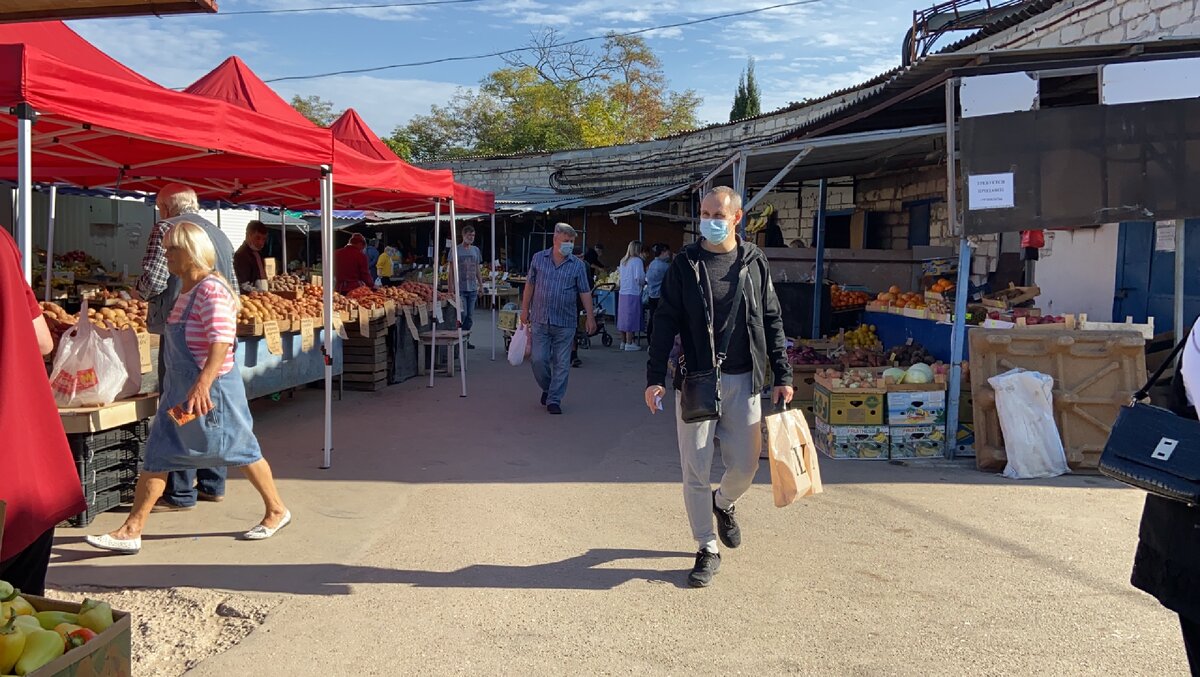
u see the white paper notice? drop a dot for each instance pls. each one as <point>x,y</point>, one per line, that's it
<point>1164,236</point>
<point>990,191</point>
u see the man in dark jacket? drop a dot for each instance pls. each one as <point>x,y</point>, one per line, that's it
<point>248,260</point>
<point>700,303</point>
<point>1167,563</point>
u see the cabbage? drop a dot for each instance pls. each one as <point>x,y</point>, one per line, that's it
<point>894,375</point>
<point>919,373</point>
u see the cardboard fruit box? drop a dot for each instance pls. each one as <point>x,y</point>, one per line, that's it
<point>109,655</point>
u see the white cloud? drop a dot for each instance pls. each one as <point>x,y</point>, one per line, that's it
<point>151,47</point>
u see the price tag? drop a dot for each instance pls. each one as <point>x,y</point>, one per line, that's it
<point>306,334</point>
<point>389,311</point>
<point>274,338</point>
<point>364,321</point>
<point>143,340</point>
<point>315,280</point>
<point>412,326</point>
<point>423,312</point>
<point>339,327</point>
<point>437,314</point>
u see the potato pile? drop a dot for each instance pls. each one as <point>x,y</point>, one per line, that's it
<point>121,315</point>
<point>264,307</point>
<point>367,297</point>
<point>851,378</point>
<point>287,283</point>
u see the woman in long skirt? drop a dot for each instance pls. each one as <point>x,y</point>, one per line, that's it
<point>203,416</point>
<point>629,305</point>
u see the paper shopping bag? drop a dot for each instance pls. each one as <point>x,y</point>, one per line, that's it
<point>794,470</point>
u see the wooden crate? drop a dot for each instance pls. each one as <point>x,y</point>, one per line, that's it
<point>365,358</point>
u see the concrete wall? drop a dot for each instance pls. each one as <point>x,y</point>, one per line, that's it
<point>1099,22</point>
<point>1077,272</point>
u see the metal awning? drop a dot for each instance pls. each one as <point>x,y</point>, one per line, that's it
<point>635,194</point>
<point>656,195</point>
<point>39,10</point>
<point>415,219</point>
<point>534,199</point>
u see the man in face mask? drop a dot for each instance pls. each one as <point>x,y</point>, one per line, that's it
<point>741,336</point>
<point>557,278</point>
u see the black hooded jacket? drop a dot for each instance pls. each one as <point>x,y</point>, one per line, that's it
<point>682,311</point>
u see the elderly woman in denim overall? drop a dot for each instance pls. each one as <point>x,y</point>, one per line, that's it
<point>203,416</point>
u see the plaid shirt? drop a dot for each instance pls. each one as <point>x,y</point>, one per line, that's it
<point>154,264</point>
<point>556,289</point>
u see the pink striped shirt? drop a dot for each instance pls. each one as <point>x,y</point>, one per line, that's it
<point>213,320</point>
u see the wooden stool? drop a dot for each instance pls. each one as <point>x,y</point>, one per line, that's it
<point>446,338</point>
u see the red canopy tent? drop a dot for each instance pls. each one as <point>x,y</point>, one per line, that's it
<point>353,131</point>
<point>100,124</point>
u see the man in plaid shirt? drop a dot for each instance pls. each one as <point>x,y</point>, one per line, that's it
<point>177,203</point>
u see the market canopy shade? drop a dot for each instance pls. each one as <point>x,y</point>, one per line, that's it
<point>353,131</point>
<point>360,180</point>
<point>36,10</point>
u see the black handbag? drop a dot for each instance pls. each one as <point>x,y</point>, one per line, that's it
<point>1154,449</point>
<point>700,391</point>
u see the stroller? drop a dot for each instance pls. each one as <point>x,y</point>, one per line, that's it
<point>582,338</point>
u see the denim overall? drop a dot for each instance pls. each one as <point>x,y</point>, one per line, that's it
<point>223,437</point>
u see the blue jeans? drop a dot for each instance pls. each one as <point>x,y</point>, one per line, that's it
<point>182,485</point>
<point>468,307</point>
<point>551,359</point>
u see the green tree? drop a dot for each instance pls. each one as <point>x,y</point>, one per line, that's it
<point>555,96</point>
<point>747,101</point>
<point>313,107</point>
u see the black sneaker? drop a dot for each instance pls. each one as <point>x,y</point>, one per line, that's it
<point>470,346</point>
<point>576,363</point>
<point>707,564</point>
<point>554,409</point>
<point>727,527</point>
<point>544,396</point>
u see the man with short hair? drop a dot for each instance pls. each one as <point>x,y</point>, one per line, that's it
<point>467,280</point>
<point>248,260</point>
<point>350,268</point>
<point>177,203</point>
<point>557,279</point>
<point>741,336</point>
<point>595,263</point>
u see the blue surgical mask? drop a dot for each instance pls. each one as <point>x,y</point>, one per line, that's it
<point>566,248</point>
<point>714,230</point>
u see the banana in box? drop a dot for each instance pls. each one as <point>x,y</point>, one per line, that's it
<point>864,442</point>
<point>918,441</point>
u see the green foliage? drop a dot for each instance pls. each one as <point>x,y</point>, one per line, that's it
<point>554,97</point>
<point>747,102</point>
<point>316,109</point>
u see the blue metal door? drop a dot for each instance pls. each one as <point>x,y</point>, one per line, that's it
<point>1146,278</point>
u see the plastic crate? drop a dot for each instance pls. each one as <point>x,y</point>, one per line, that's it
<point>95,461</point>
<point>93,480</point>
<point>97,502</point>
<point>82,445</point>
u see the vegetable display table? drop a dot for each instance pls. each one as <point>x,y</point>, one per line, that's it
<point>265,373</point>
<point>895,329</point>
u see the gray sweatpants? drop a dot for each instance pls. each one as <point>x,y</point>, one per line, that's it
<point>741,442</point>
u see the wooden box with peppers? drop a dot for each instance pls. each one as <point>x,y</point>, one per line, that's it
<point>49,638</point>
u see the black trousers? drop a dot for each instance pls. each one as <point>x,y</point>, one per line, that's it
<point>1191,643</point>
<point>27,569</point>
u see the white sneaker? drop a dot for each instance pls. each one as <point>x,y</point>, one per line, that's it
<point>130,546</point>
<point>623,346</point>
<point>633,348</point>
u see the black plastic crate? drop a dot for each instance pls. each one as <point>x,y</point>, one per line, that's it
<point>115,477</point>
<point>92,462</point>
<point>97,502</point>
<point>84,444</point>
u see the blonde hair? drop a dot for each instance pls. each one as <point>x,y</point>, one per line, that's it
<point>177,199</point>
<point>634,249</point>
<point>192,239</point>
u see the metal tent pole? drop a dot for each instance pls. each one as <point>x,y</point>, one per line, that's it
<point>283,231</point>
<point>50,239</point>
<point>819,269</point>
<point>963,284</point>
<point>495,295</point>
<point>327,283</point>
<point>25,116</point>
<point>462,348</point>
<point>1180,260</point>
<point>437,272</point>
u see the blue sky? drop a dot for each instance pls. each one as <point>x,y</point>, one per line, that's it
<point>804,51</point>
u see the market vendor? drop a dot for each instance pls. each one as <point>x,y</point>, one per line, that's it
<point>350,267</point>
<point>248,261</point>
<point>388,264</point>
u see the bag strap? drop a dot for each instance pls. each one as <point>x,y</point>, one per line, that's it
<point>721,347</point>
<point>1145,391</point>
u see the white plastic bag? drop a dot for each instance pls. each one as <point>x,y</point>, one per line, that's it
<point>1024,401</point>
<point>520,346</point>
<point>125,342</point>
<point>87,368</point>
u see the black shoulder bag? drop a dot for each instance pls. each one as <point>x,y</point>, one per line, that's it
<point>1153,449</point>
<point>700,391</point>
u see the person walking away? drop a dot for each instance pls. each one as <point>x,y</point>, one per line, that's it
<point>701,303</point>
<point>350,268</point>
<point>38,480</point>
<point>594,258</point>
<point>655,275</point>
<point>177,203</point>
<point>557,279</point>
<point>1167,562</point>
<point>468,279</point>
<point>248,261</point>
<point>629,306</point>
<point>204,383</point>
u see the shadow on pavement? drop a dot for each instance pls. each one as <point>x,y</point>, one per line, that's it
<point>584,572</point>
